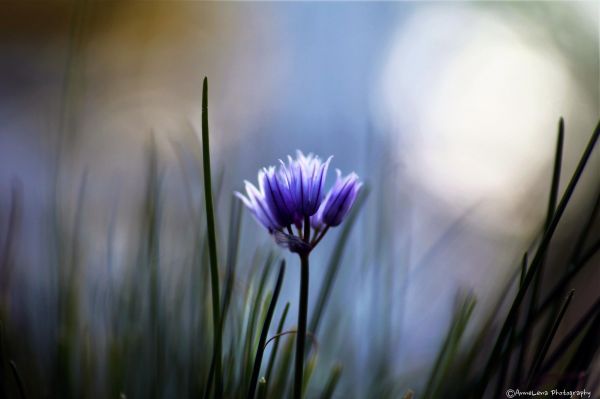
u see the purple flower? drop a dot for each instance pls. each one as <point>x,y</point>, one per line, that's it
<point>305,176</point>
<point>338,201</point>
<point>292,194</point>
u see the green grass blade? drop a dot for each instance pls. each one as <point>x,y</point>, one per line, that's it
<point>334,378</point>
<point>309,369</point>
<point>252,320</point>
<point>212,243</point>
<point>571,336</point>
<point>539,358</point>
<point>284,367</point>
<point>334,264</point>
<point>276,343</point>
<point>449,349</point>
<point>265,330</point>
<point>537,282</point>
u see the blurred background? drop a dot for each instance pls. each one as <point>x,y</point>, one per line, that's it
<point>448,111</point>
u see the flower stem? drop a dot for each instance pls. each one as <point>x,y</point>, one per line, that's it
<point>301,336</point>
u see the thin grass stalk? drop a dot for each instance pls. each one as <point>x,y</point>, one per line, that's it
<point>511,339</point>
<point>449,349</point>
<point>544,348</point>
<point>247,364</point>
<point>510,319</point>
<point>276,344</point>
<point>537,283</point>
<point>212,244</point>
<point>265,330</point>
<point>334,378</point>
<point>568,339</point>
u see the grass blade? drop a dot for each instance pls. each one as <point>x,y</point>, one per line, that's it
<point>212,243</point>
<point>449,349</point>
<point>334,378</point>
<point>265,330</point>
<point>570,337</point>
<point>276,343</point>
<point>544,348</point>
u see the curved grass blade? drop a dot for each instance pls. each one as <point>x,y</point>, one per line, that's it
<point>265,330</point>
<point>212,243</point>
<point>276,344</point>
<point>284,366</point>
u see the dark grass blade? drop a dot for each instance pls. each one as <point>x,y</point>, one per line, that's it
<point>334,264</point>
<point>539,358</point>
<point>334,378</point>
<point>212,243</point>
<point>19,380</point>
<point>571,336</point>
<point>535,263</point>
<point>265,330</point>
<point>511,339</point>
<point>253,319</point>
<point>583,356</point>
<point>537,282</point>
<point>276,343</point>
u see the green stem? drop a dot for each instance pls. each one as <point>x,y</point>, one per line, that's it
<point>212,244</point>
<point>301,336</point>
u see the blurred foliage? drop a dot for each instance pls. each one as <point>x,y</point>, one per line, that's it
<point>210,334</point>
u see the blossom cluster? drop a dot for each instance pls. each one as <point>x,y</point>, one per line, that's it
<point>293,195</point>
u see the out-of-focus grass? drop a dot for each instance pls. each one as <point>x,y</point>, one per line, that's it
<point>160,338</point>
